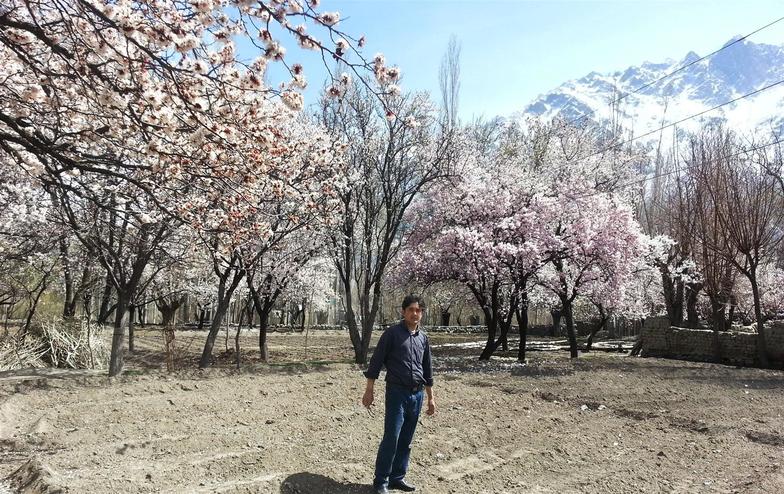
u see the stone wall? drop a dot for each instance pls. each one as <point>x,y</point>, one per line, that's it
<point>736,348</point>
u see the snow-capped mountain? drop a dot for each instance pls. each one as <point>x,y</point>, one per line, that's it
<point>739,69</point>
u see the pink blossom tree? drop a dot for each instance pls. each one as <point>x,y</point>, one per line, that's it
<point>531,208</point>
<point>599,243</point>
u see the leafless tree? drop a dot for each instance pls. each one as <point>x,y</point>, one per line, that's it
<point>749,213</point>
<point>449,83</point>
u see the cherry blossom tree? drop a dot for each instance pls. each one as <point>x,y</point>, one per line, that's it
<point>240,230</point>
<point>487,231</point>
<point>397,148</point>
<point>530,209</point>
<point>639,297</point>
<point>311,286</point>
<point>28,259</point>
<point>275,277</point>
<point>600,242</point>
<point>151,98</point>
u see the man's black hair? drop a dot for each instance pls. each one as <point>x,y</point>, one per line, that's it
<point>411,299</point>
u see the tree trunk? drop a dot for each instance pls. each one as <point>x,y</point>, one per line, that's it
<point>671,301</point>
<point>69,302</point>
<point>202,317</point>
<point>637,348</point>
<point>237,344</point>
<point>603,317</point>
<point>506,325</point>
<point>367,333</point>
<point>352,323</point>
<point>87,302</point>
<point>762,346</point>
<point>491,322</point>
<point>369,306</point>
<point>692,293</point>
<point>168,313</point>
<point>251,315</point>
<point>118,335</point>
<point>237,337</point>
<point>732,302</point>
<point>69,308</point>
<point>522,321</point>
<point>678,302</point>
<point>717,324</point>
<point>228,321</point>
<point>717,314</point>
<point>131,327</point>
<point>570,331</point>
<point>263,325</point>
<point>445,317</point>
<point>81,291</point>
<point>34,305</point>
<point>555,329</point>
<point>215,326</point>
<point>503,337</point>
<point>503,340</point>
<point>106,297</point>
<point>225,292</point>
<point>304,313</point>
<point>263,299</point>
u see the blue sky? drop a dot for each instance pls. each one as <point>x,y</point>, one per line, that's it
<point>512,51</point>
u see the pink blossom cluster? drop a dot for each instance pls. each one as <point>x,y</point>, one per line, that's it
<point>544,225</point>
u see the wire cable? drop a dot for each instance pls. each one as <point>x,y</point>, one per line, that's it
<point>679,69</point>
<point>678,169</point>
<point>734,100</point>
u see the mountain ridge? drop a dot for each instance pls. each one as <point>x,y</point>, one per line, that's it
<point>645,104</point>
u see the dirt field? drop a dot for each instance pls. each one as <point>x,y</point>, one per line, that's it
<point>604,423</point>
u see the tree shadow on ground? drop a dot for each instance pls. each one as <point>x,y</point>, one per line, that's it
<point>312,483</point>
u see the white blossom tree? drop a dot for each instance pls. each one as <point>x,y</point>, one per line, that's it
<point>149,102</point>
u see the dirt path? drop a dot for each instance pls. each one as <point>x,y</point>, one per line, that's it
<point>606,423</point>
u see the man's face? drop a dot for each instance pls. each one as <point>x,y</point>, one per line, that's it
<point>412,314</point>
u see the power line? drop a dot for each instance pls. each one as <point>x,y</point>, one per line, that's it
<point>678,168</point>
<point>684,67</point>
<point>752,93</point>
<point>715,160</point>
<point>698,60</point>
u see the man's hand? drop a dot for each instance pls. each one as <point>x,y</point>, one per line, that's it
<point>431,406</point>
<point>367,398</point>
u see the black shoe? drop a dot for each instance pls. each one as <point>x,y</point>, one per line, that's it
<point>401,485</point>
<point>380,489</point>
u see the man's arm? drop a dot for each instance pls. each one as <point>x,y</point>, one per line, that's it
<point>374,368</point>
<point>427,372</point>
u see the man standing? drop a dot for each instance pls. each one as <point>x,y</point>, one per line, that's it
<point>405,352</point>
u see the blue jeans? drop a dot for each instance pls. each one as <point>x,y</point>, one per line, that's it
<point>400,419</point>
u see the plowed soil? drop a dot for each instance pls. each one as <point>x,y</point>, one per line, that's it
<point>605,423</point>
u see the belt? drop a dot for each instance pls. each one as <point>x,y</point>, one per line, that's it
<point>410,389</point>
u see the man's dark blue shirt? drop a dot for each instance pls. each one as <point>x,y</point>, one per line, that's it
<point>405,355</point>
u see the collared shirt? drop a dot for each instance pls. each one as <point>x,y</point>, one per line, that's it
<point>405,355</point>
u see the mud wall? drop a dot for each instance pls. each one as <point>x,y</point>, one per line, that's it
<point>659,339</point>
